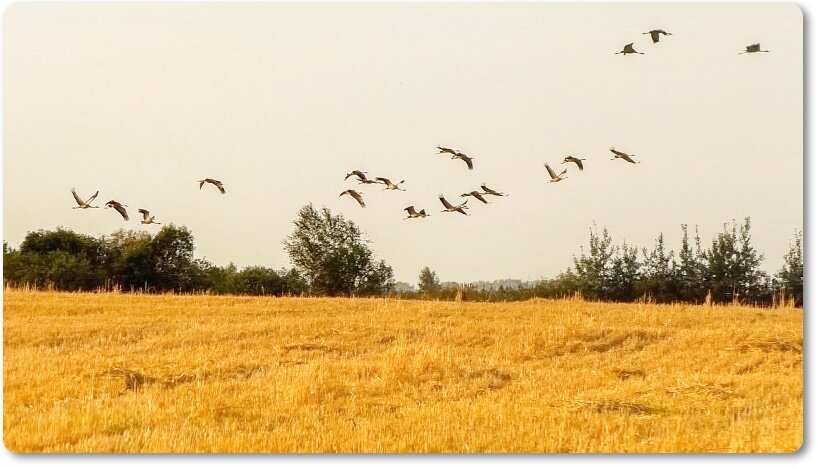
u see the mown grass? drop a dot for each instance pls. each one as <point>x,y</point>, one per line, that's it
<point>140,373</point>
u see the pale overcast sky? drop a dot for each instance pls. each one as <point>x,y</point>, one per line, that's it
<point>279,101</point>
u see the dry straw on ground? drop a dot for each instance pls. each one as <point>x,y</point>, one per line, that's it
<point>138,373</point>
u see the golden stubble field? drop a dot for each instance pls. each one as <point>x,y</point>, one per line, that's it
<point>139,373</point>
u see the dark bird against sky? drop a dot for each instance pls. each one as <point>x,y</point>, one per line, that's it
<point>357,196</point>
<point>656,34</point>
<point>119,207</point>
<point>623,155</point>
<point>214,182</point>
<point>628,49</point>
<point>460,208</point>
<point>576,160</point>
<point>751,49</point>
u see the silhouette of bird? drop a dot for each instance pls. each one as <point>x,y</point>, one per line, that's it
<point>488,191</point>
<point>412,214</point>
<point>476,195</point>
<point>147,218</point>
<point>460,208</point>
<point>623,155</point>
<point>83,204</point>
<point>214,182</point>
<point>754,48</point>
<point>466,159</point>
<point>656,34</point>
<point>120,208</point>
<point>357,173</point>
<point>628,49</point>
<point>354,194</point>
<point>553,177</point>
<point>444,150</point>
<point>361,178</point>
<point>576,160</point>
<point>389,184</point>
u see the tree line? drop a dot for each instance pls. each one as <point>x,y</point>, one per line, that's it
<point>331,256</point>
<point>725,270</point>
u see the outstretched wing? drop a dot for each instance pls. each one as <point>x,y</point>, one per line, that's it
<point>618,153</point>
<point>219,186</point>
<point>579,163</point>
<point>92,197</point>
<point>446,150</point>
<point>359,198</point>
<point>121,210</point>
<point>410,210</point>
<point>563,172</point>
<point>145,213</point>
<point>76,196</point>
<point>628,159</point>
<point>383,180</point>
<point>656,35</point>
<point>468,162</point>
<point>446,203</point>
<point>551,172</point>
<point>478,196</point>
<point>201,183</point>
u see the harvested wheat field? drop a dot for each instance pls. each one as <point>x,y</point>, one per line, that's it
<point>140,373</point>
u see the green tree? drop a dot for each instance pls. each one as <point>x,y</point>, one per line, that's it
<point>790,274</point>
<point>733,266</point>
<point>593,269</point>
<point>658,276</point>
<point>428,282</point>
<point>624,274</point>
<point>690,270</point>
<point>172,250</point>
<point>334,257</point>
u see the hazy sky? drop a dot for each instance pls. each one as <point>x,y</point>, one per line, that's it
<point>279,101</point>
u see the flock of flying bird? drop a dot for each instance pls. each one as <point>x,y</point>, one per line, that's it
<point>654,34</point>
<point>362,179</point>
<point>412,212</point>
<point>120,208</point>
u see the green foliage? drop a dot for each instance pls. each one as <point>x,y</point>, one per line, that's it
<point>334,257</point>
<point>790,276</point>
<point>428,281</point>
<point>733,266</point>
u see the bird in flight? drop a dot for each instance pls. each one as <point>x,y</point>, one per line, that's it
<point>444,150</point>
<point>389,184</point>
<point>147,218</point>
<point>623,155</point>
<point>488,191</point>
<point>120,208</point>
<point>576,160</point>
<point>361,177</point>
<point>214,182</point>
<point>354,194</point>
<point>754,48</point>
<point>412,214</point>
<point>476,195</point>
<point>468,160</point>
<point>553,177</point>
<point>628,49</point>
<point>83,204</point>
<point>656,34</point>
<point>357,173</point>
<point>460,208</point>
